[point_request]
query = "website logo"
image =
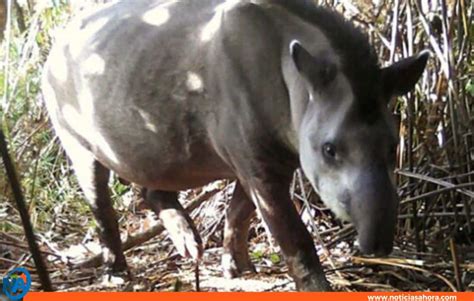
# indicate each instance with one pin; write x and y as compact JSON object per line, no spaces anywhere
{"x":16,"y":284}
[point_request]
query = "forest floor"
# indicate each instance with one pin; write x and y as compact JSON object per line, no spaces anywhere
{"x":156,"y":265}
{"x":434,"y":174}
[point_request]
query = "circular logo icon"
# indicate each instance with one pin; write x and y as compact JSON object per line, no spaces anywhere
{"x":16,"y":284}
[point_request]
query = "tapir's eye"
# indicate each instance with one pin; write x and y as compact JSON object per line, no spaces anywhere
{"x":329,"y":150}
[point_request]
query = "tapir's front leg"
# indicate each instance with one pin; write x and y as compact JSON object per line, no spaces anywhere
{"x":272,"y":198}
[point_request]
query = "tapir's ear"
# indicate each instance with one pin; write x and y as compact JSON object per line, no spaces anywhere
{"x":400,"y":78}
{"x":317,"y":71}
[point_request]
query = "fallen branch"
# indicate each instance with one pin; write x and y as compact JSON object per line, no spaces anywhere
{"x":140,"y":238}
{"x":375,"y":261}
{"x":23,"y":247}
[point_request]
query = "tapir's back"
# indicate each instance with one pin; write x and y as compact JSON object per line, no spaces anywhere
{"x":126,"y":46}
{"x":125,"y":81}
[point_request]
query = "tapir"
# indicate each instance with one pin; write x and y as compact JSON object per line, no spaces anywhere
{"x":172,"y":95}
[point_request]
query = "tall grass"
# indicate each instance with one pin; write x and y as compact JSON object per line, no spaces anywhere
{"x":436,"y":155}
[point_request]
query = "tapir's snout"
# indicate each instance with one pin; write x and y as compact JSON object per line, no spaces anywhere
{"x":374,"y":213}
{"x":379,"y":243}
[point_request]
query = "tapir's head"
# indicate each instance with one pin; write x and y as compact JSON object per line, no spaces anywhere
{"x":348,"y":140}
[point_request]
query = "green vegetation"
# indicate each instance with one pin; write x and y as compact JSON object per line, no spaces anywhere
{"x":436,"y":153}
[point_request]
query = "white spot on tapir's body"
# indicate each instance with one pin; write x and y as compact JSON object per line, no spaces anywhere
{"x":58,"y":60}
{"x":104,"y":146}
{"x":71,"y":115}
{"x":157,"y":16}
{"x":94,"y":65}
{"x":194,"y":82}
{"x":148,"y":120}
{"x":86,"y":129}
{"x":210,"y":29}
{"x":81,"y":120}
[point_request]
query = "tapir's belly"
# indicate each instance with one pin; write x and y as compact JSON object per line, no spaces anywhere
{"x":166,"y":160}
{"x":171,"y":176}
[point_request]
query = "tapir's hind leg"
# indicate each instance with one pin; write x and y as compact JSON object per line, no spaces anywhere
{"x":180,"y":227}
{"x":235,"y":258}
{"x":93,"y":178}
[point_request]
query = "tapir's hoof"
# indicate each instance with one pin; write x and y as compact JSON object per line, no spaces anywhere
{"x":124,"y":274}
{"x":313,"y":283}
{"x":183,"y":233}
{"x":118,"y":269}
{"x":232,"y":268}
{"x":116,"y":279}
